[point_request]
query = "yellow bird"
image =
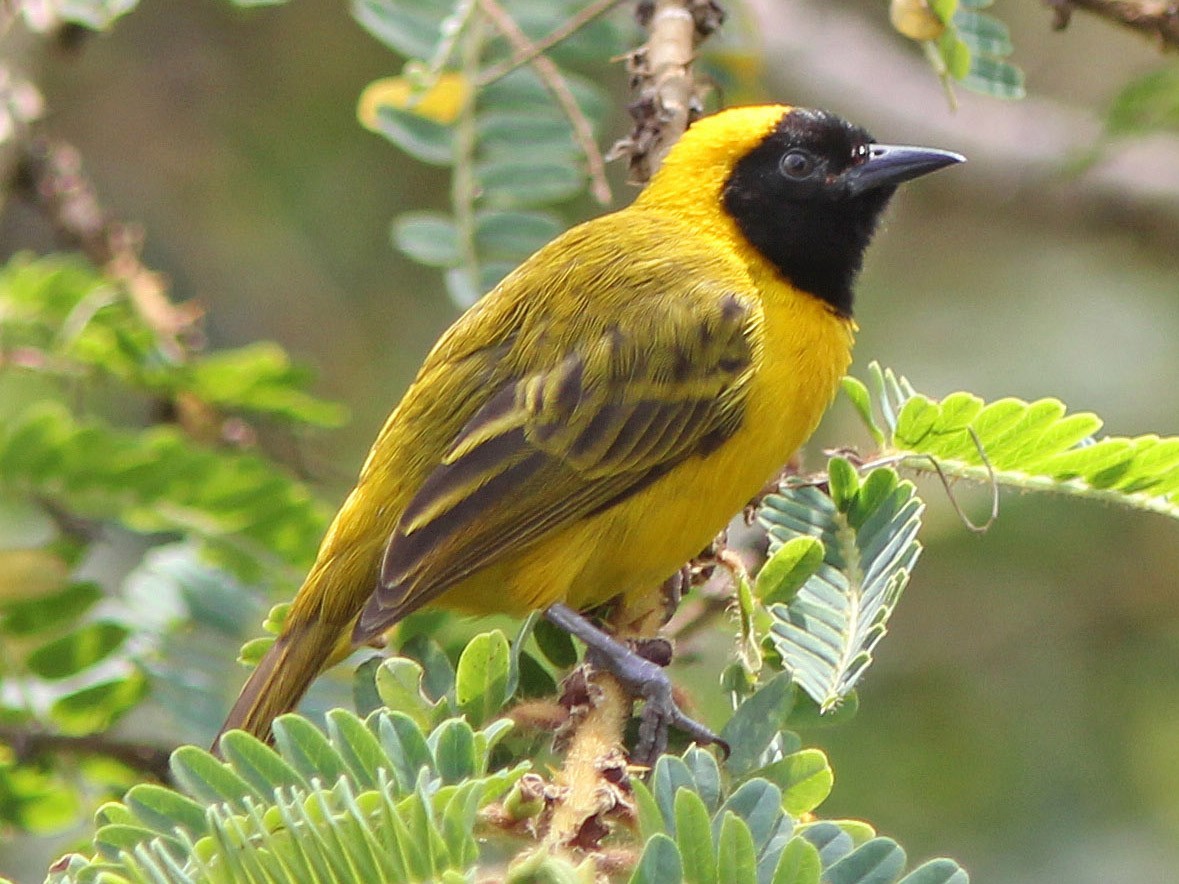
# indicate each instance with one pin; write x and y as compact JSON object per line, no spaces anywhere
{"x":597,"y":418}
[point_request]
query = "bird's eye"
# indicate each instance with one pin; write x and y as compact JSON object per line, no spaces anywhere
{"x":797,"y":164}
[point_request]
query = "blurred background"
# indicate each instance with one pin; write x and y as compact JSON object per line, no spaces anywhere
{"x":1023,"y":714}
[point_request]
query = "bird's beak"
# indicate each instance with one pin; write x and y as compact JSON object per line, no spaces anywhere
{"x":889,"y":165}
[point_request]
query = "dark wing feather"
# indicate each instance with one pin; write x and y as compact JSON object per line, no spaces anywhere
{"x":556,"y":445}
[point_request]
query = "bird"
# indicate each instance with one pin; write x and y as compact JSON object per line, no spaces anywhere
{"x":592,"y":422}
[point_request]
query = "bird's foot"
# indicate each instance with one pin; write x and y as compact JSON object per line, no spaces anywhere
{"x":643,"y":679}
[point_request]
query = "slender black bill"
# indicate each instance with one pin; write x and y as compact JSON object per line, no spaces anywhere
{"x":890,"y":164}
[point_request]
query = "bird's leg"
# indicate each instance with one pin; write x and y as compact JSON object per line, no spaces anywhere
{"x":642,"y":678}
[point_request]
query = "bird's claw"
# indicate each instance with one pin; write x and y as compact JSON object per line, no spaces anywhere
{"x":649,"y":682}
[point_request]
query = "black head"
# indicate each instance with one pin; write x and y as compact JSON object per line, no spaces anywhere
{"x":809,"y":197}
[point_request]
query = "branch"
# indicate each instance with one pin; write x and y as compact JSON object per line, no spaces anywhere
{"x":1157,"y":19}
{"x":28,"y":745}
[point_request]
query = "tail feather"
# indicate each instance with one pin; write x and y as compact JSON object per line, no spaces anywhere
{"x":283,"y":677}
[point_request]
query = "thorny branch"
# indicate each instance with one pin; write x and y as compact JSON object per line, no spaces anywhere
{"x":666,"y":98}
{"x":1157,"y":19}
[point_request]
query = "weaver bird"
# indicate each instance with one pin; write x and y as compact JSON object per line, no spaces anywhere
{"x":596,"y":419}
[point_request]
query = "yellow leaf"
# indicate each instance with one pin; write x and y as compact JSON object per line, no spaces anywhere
{"x":915,"y":19}
{"x":440,"y":103}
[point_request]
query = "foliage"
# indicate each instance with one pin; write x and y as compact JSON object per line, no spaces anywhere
{"x":117,"y":424}
{"x":514,"y":157}
{"x":80,"y":655}
{"x":962,"y":43}
{"x":392,"y":797}
{"x":1147,"y":104}
{"x":1035,"y":446}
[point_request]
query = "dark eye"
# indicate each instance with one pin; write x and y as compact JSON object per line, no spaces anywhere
{"x":797,"y":164}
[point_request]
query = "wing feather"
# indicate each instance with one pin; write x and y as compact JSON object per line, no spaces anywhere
{"x":562,"y":442}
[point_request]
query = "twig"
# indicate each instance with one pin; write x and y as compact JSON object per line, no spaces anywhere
{"x":523,"y":56}
{"x":51,"y":173}
{"x":593,"y":777}
{"x":1158,"y":19}
{"x":550,"y":76}
{"x":665,"y":96}
{"x":28,"y":745}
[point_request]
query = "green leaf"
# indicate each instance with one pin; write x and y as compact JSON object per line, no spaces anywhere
{"x":804,"y":777}
{"x":994,"y":77}
{"x":365,"y":698}
{"x":807,"y":714}
{"x":832,"y":842}
{"x":98,"y":706}
{"x":671,"y":775}
{"x":438,"y":680}
{"x":827,"y":633}
{"x":650,"y":817}
{"x":111,"y":841}
{"x":306,"y":749}
{"x":399,"y":684}
{"x":77,"y":650}
{"x":357,"y":746}
{"x":703,"y":768}
{"x":798,"y":864}
{"x":857,"y":393}
{"x":164,"y":810}
{"x":984,"y":34}
{"x":462,"y":287}
{"x":736,"y":857}
{"x":954,"y":54}
{"x":421,"y":138}
{"x":556,"y":644}
{"x":659,"y":863}
{"x":260,"y":377}
{"x":880,"y":861}
{"x":1038,"y":446}
{"x":160,"y":480}
{"x":693,"y":832}
{"x":535,"y":680}
{"x":512,"y":184}
{"x":404,"y":745}
{"x":409,"y":29}
{"x":29,"y":616}
{"x":429,"y":238}
{"x":523,"y":90}
{"x":507,"y":132}
{"x":481,"y":681}
{"x":937,"y":871}
{"x":453,"y":746}
{"x":788,"y":569}
{"x":208,"y":780}
{"x":1147,"y":104}
{"x":756,"y":723}
{"x":514,"y":235}
{"x":758,"y":803}
{"x":258,"y":764}
{"x":944,"y":9}
{"x":843,"y":483}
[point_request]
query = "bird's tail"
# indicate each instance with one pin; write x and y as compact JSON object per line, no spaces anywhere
{"x":284,"y":674}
